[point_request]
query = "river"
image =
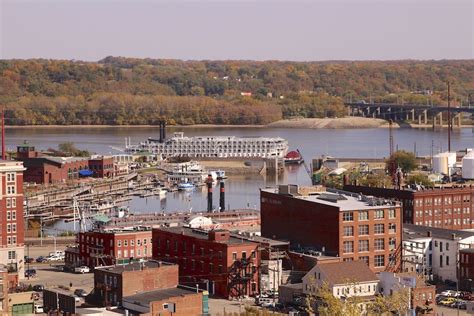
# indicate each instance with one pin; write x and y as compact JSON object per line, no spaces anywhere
{"x":243,"y":191}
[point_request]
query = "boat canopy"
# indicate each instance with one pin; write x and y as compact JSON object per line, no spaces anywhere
{"x":86,"y":173}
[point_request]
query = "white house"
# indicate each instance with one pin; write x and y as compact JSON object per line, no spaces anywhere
{"x":345,"y":279}
{"x":434,"y":251}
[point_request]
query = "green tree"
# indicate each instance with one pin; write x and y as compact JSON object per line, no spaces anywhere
{"x":403,"y":159}
{"x":419,"y":179}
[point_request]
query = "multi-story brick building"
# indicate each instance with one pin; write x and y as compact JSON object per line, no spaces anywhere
{"x":336,"y":223}
{"x":466,"y":269}
{"x":108,"y":247}
{"x":448,"y":207}
{"x":102,"y":166}
{"x":112,"y":283}
{"x":11,"y":217}
{"x":223,"y":264}
{"x":43,"y":169}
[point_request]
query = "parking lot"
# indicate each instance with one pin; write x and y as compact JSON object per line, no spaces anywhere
{"x":49,"y":276}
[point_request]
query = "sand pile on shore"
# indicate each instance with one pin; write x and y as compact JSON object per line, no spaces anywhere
{"x":330,"y":123}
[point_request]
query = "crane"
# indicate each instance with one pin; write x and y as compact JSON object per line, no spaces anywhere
{"x":308,"y":170}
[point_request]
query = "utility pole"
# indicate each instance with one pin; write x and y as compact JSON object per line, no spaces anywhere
{"x":449,"y":117}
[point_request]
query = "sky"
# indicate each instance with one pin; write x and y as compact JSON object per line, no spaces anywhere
{"x":298,"y":30}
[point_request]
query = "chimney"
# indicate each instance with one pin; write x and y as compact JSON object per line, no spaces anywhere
{"x":222,"y":197}
{"x":209,"y":193}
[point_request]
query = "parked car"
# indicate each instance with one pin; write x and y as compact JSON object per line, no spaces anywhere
{"x":39,"y":309}
{"x":53,"y":258}
{"x":38,"y":287}
{"x":29,"y":259}
{"x":465,"y":296}
{"x":82,"y":269}
{"x":80,"y":292}
{"x":41,"y":259}
{"x":30,"y":273}
{"x":77,"y":298}
{"x":447,"y":301}
{"x":448,"y":293}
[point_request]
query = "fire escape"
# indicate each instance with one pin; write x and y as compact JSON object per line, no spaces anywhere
{"x":395,"y":260}
{"x":241,"y":274}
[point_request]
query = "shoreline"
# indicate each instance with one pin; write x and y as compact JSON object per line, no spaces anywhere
{"x":352,"y":122}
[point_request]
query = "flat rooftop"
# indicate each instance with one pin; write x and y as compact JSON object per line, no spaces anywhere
{"x":145,"y":298}
{"x":411,"y":231}
{"x":135,"y":266}
{"x":345,"y":201}
{"x":203,"y":234}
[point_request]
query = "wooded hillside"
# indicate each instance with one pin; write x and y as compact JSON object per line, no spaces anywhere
{"x":120,"y":90}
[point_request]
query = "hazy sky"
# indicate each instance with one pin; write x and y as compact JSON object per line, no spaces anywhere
{"x":233,"y":29}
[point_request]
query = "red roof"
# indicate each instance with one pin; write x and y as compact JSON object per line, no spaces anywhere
{"x":293,"y":154}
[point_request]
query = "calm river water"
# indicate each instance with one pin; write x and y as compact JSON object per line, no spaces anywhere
{"x":243,"y":191}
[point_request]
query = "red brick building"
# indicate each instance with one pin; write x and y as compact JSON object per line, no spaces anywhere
{"x":102,"y":166}
{"x":11,"y":218}
{"x":103,"y":247}
{"x":224,"y":265}
{"x":334,"y":223}
{"x":112,"y":283}
{"x":42,"y":169}
{"x":466,"y":268}
{"x":449,"y":207}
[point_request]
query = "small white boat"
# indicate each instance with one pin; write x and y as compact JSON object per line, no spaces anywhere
{"x":187,"y":186}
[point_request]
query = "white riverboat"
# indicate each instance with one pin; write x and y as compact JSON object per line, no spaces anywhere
{"x":212,"y":147}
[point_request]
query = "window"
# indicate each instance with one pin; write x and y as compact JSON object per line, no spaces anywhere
{"x":193,"y":264}
{"x":119,"y":254}
{"x":9,"y":228}
{"x":363,"y":245}
{"x":184,"y":246}
{"x":391,"y":213}
{"x":348,"y":231}
{"x":441,"y":261}
{"x":144,"y":241}
{"x":363,"y":216}
{"x":167,"y":245}
{"x":219,"y":269}
{"x":348,"y":247}
{"x":202,"y":251}
{"x":9,"y":203}
{"x":12,"y":255}
{"x":193,"y":249}
{"x":13,"y":228}
{"x":11,"y":189}
{"x":125,"y":243}
{"x":10,"y":177}
{"x":447,"y":246}
{"x":211,"y":267}
{"x":348,"y":216}
{"x":379,"y":229}
{"x":392,"y":228}
{"x":363,"y":230}
{"x":365,"y":259}
{"x":378,"y":214}
{"x":441,"y":246}
{"x":392,"y":243}
{"x":132,"y":242}
{"x":175,"y":246}
{"x":220,"y":255}
{"x":244,"y":255}
{"x":447,"y":260}
{"x":8,"y":216}
{"x":379,"y":260}
{"x":379,"y":244}
{"x":125,"y":253}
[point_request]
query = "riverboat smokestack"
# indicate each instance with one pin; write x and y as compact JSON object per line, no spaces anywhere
{"x":209,"y":193}
{"x":222,"y":197}
{"x":162,"y":131}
